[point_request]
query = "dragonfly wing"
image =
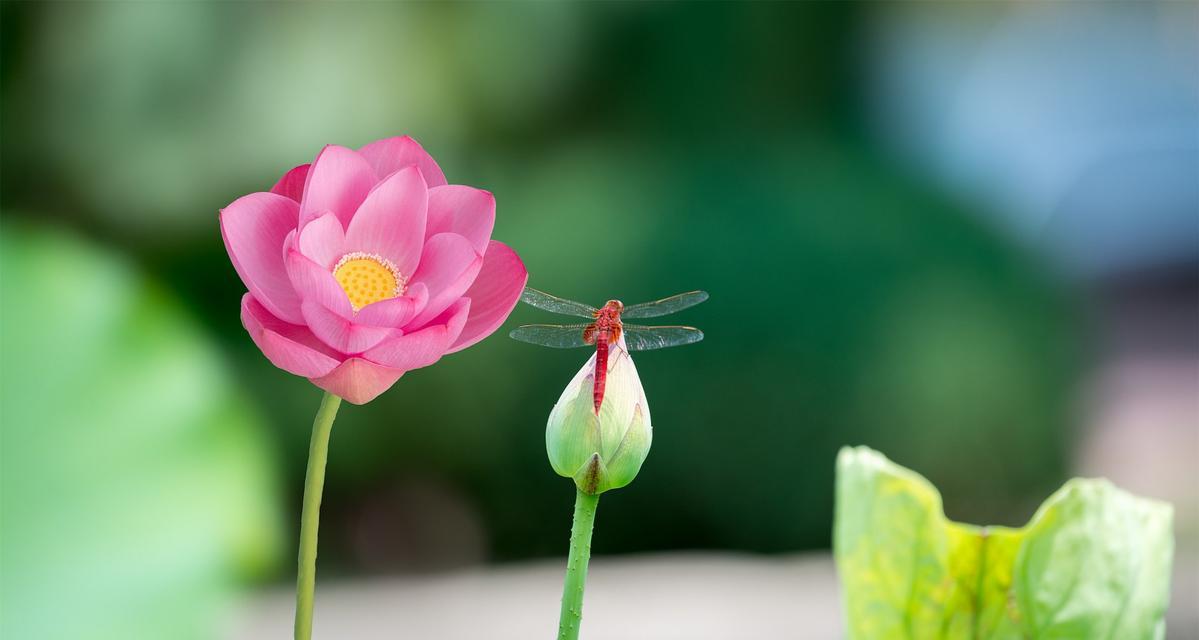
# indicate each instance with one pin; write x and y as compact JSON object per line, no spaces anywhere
{"x":557,"y":336}
{"x":664,"y":306}
{"x":639,"y":338}
{"x":554,"y":304}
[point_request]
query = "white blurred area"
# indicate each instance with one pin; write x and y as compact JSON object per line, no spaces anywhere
{"x":657,"y":597}
{"x":680,"y":596}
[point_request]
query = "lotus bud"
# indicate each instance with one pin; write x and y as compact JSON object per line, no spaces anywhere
{"x":601,"y":450}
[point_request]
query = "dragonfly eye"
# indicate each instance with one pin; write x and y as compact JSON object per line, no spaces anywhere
{"x":616,"y":304}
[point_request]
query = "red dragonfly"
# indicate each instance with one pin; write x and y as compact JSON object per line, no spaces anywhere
{"x":607,"y":326}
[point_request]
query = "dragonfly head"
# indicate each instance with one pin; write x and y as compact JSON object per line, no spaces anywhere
{"x":615,"y":305}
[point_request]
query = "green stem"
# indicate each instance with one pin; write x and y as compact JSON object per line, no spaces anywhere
{"x":310,"y":517}
{"x":576,"y":566}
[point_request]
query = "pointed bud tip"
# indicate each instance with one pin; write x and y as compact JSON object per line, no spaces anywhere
{"x":591,"y":476}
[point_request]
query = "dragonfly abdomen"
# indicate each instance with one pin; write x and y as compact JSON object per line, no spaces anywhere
{"x":601,"y":371}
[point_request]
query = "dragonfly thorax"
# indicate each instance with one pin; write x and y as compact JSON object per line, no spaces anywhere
{"x":613,"y":306}
{"x":609,"y":314}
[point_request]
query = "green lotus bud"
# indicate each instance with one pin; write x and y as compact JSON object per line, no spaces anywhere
{"x":603,"y":450}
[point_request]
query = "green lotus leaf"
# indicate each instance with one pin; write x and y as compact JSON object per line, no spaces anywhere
{"x":137,"y":489}
{"x":1094,"y":562}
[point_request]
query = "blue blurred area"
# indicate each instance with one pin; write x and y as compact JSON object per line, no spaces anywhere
{"x":1076,"y":126}
{"x":908,"y":217}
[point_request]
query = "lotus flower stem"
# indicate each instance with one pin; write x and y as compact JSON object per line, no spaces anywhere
{"x":314,"y":484}
{"x":576,"y":565}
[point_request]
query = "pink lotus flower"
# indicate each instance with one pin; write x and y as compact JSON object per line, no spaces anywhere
{"x":365,"y":264}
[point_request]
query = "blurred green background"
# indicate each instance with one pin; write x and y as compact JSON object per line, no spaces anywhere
{"x":873,"y":280}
